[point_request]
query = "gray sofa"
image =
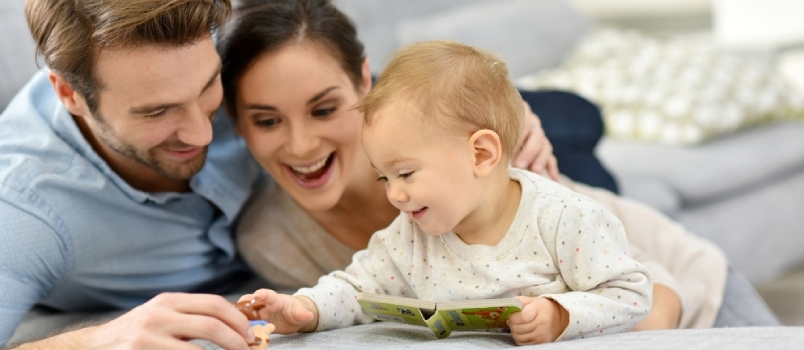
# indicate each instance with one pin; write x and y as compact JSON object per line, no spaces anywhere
{"x":742,"y":191}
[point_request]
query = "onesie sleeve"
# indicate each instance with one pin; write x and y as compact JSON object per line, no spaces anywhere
{"x":609,"y":291}
{"x":373,"y":270}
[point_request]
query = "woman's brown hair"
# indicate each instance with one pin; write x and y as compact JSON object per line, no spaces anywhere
{"x":259,"y":27}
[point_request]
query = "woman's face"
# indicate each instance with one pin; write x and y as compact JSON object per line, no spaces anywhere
{"x":295,"y":113}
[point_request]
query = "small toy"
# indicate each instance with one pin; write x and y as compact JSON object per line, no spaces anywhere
{"x":262,"y":330}
{"x":250,"y":308}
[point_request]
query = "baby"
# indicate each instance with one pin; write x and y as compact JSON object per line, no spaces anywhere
{"x":440,"y":127}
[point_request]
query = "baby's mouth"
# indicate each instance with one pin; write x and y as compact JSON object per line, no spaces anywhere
{"x":417,"y":214}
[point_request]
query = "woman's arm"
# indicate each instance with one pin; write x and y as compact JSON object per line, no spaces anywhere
{"x":666,"y":310}
{"x":694,"y":269}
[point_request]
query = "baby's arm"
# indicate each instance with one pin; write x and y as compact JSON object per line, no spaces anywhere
{"x":373,"y":270}
{"x":610,"y":291}
{"x":290,"y":314}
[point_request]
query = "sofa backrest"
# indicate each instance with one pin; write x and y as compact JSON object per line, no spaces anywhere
{"x":17,"y":56}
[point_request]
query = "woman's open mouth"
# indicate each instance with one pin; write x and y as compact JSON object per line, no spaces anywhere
{"x":313,"y":176}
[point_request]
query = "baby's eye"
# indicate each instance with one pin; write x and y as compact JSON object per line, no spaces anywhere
{"x":382,"y":178}
{"x":405,"y":175}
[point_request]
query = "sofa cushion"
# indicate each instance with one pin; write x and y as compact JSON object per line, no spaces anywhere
{"x":758,"y":230}
{"x":678,"y":91}
{"x":376,"y":19}
{"x":389,"y":335}
{"x":719,"y":168}
{"x":17,"y":59}
{"x":530,"y":35}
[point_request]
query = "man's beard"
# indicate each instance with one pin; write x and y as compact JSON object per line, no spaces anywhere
{"x":175,"y":170}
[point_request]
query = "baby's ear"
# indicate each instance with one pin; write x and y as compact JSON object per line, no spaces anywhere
{"x":487,"y":151}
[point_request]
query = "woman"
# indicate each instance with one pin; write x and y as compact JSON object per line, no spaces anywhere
{"x":291,"y":72}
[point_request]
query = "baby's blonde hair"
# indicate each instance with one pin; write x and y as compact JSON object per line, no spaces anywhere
{"x":456,"y":86}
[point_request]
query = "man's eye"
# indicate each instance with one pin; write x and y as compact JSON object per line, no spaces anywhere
{"x":157,"y":114}
{"x":324,"y":112}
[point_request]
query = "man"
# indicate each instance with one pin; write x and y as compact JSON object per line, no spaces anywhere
{"x":108,"y":194}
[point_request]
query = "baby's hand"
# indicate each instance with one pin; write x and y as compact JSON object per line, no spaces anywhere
{"x":540,"y":321}
{"x":290,"y":314}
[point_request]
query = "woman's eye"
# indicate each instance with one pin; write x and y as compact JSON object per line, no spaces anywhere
{"x":324,"y":112}
{"x":266,"y":123}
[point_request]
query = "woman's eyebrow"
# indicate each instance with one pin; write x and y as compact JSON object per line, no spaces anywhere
{"x":261,"y":107}
{"x":321,"y":94}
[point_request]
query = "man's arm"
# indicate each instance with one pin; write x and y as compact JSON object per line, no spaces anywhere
{"x":33,"y":258}
{"x":164,"y":322}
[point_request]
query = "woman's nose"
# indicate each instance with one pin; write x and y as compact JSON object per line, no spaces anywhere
{"x":303,"y":141}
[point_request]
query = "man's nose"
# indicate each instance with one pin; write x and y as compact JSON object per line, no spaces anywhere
{"x":196,"y":129}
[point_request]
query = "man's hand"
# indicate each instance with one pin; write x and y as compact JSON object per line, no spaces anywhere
{"x":290,"y":314}
{"x":540,"y":321}
{"x":165,"y":322}
{"x":535,"y":152}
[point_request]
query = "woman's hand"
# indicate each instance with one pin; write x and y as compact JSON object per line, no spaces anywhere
{"x":290,"y":314}
{"x":535,"y":151}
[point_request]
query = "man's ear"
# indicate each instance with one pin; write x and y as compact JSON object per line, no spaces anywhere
{"x":365,"y":85}
{"x":71,"y":99}
{"x":487,"y":151}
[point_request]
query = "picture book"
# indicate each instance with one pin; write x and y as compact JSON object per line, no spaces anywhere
{"x":441,"y":317}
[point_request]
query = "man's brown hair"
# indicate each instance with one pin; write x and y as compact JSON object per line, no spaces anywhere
{"x":457,"y":87}
{"x":69,"y":33}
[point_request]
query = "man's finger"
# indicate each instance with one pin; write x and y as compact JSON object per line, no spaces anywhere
{"x":213,"y":306}
{"x":188,"y":326}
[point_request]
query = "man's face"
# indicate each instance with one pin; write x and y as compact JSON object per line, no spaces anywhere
{"x":155,"y":107}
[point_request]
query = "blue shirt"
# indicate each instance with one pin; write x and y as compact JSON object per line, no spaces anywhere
{"x":74,"y":236}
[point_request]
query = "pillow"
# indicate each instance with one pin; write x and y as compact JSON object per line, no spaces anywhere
{"x":530,"y":35}
{"x":674,"y":91}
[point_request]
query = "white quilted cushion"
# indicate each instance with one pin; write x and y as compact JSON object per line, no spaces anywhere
{"x":678,"y":92}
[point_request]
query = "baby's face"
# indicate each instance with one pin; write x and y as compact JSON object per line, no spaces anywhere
{"x":428,"y":173}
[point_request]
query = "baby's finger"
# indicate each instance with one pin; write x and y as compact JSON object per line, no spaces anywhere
{"x":246,"y":297}
{"x":527,"y":314}
{"x":524,"y":329}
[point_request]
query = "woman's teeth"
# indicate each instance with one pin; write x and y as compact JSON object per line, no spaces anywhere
{"x":310,"y":169}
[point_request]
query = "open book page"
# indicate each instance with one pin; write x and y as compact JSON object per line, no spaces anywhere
{"x":441,"y":317}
